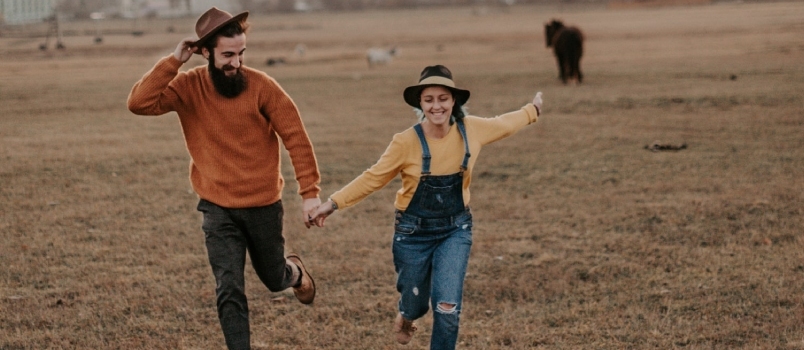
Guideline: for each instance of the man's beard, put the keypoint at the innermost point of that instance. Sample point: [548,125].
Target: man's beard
[228,86]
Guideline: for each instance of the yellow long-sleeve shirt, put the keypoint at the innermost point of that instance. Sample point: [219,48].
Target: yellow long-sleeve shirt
[404,156]
[233,142]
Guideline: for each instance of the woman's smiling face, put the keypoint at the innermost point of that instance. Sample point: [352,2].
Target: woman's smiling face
[437,103]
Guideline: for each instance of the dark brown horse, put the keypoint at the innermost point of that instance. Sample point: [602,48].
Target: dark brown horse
[567,44]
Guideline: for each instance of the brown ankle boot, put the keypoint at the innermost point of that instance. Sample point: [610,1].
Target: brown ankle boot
[403,329]
[305,292]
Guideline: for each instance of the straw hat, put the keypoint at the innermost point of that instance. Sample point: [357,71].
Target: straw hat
[212,21]
[437,75]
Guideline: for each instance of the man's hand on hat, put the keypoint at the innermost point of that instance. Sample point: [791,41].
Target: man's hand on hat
[537,101]
[185,49]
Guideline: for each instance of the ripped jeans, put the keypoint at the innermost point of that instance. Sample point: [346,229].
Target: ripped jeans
[430,258]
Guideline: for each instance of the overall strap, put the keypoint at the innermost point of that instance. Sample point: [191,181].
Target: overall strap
[425,150]
[466,156]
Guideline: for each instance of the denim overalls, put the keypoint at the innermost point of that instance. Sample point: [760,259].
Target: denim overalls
[431,246]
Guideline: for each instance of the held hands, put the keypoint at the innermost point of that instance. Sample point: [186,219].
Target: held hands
[537,101]
[320,214]
[309,206]
[185,49]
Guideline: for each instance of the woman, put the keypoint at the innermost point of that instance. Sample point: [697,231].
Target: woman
[433,226]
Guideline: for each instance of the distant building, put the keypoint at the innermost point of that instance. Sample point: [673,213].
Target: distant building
[14,12]
[26,11]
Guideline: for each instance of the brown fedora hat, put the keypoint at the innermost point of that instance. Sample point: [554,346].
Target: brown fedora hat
[212,21]
[431,76]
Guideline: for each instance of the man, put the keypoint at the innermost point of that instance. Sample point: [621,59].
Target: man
[232,117]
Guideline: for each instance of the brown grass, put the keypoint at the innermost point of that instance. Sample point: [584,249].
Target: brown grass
[634,4]
[583,239]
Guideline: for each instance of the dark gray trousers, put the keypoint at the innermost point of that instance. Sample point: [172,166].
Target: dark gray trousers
[229,234]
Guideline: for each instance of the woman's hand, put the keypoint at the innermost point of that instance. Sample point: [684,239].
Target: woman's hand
[320,214]
[537,101]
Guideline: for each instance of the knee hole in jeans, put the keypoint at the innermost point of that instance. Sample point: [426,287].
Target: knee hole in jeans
[446,308]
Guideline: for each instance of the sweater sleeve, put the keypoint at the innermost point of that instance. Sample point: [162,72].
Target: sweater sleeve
[374,178]
[153,94]
[502,126]
[286,120]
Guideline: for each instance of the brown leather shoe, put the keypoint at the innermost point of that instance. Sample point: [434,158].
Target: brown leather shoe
[404,329]
[306,291]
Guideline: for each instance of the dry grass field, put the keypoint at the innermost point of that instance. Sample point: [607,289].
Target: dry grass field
[583,238]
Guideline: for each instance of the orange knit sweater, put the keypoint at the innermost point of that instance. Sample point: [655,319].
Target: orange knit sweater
[233,142]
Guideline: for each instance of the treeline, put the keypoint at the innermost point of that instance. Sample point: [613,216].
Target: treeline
[144,8]
[157,8]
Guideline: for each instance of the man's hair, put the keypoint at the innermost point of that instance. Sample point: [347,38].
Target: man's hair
[229,31]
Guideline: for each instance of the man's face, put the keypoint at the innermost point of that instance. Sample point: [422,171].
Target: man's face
[228,54]
[225,61]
